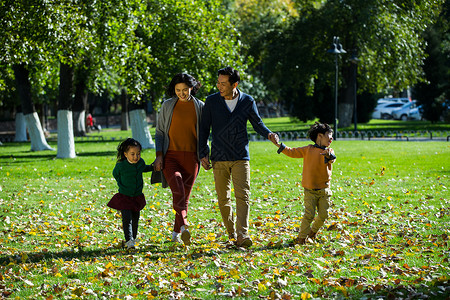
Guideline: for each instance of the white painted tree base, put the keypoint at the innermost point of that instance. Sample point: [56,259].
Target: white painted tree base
[38,141]
[21,128]
[66,141]
[79,121]
[139,128]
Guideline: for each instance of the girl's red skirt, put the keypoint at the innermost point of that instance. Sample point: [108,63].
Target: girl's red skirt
[121,202]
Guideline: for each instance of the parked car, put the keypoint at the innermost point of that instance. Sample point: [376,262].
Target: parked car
[416,113]
[402,113]
[402,100]
[384,110]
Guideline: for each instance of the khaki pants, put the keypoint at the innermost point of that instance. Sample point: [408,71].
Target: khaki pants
[314,199]
[238,172]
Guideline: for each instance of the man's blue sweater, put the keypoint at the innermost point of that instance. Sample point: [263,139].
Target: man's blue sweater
[229,129]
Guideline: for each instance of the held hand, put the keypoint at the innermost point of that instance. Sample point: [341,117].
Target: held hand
[274,138]
[206,164]
[158,163]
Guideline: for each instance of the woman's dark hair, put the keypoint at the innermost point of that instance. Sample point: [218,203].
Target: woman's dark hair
[234,74]
[124,146]
[187,79]
[317,128]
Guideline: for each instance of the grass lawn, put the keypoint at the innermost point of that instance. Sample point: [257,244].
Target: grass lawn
[387,233]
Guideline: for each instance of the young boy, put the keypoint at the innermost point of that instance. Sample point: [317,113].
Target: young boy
[317,166]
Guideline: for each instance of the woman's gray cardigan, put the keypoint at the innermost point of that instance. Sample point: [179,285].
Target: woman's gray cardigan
[163,125]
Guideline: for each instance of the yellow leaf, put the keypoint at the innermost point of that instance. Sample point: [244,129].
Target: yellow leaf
[305,295]
[234,272]
[261,287]
[183,275]
[109,265]
[343,290]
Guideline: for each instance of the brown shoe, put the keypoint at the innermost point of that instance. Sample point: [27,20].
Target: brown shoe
[299,241]
[312,235]
[244,241]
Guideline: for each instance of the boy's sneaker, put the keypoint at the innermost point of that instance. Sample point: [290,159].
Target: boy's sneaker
[185,235]
[130,244]
[244,241]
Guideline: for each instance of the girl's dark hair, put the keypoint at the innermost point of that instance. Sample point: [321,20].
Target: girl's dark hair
[187,79]
[124,146]
[317,128]
[234,74]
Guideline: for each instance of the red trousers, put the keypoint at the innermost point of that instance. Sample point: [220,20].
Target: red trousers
[180,170]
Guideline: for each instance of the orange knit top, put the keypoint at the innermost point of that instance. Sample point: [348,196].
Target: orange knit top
[316,173]
[182,131]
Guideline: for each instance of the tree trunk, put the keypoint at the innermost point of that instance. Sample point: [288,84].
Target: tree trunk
[37,138]
[79,123]
[346,102]
[124,117]
[21,128]
[345,114]
[139,128]
[80,101]
[66,143]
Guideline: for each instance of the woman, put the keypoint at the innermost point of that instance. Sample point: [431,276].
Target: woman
[177,147]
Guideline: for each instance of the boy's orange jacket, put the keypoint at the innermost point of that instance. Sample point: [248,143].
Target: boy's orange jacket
[316,173]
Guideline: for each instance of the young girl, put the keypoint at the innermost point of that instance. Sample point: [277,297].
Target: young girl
[129,200]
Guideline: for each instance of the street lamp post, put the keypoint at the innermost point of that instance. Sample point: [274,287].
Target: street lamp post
[336,48]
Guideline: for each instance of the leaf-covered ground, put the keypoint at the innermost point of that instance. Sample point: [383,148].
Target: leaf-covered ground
[387,235]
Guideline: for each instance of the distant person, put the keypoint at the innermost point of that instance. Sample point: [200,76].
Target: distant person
[176,140]
[225,115]
[316,176]
[89,122]
[129,200]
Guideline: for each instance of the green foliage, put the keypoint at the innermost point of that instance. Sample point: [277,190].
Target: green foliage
[433,93]
[387,36]
[134,45]
[387,234]
[197,37]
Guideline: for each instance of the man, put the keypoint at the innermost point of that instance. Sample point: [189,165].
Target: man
[225,115]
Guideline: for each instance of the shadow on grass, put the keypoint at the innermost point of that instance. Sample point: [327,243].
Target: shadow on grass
[27,156]
[342,287]
[98,153]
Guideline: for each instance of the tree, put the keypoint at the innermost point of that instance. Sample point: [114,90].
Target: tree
[163,38]
[128,47]
[436,89]
[260,21]
[385,34]
[20,44]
